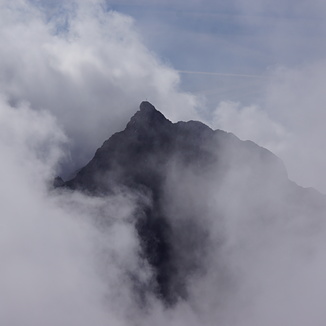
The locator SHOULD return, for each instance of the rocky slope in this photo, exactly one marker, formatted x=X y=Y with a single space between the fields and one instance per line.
x=191 y=174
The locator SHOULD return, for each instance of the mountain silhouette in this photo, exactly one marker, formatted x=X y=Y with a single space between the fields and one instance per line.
x=180 y=167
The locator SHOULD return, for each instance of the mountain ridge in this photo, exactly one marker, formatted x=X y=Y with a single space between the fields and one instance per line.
x=155 y=157
x=148 y=122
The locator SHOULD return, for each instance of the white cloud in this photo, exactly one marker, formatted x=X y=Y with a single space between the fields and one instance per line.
x=289 y=122
x=297 y=99
x=85 y=65
x=250 y=123
x=58 y=265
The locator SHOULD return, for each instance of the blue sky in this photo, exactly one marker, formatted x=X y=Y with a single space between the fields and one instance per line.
x=231 y=37
x=227 y=37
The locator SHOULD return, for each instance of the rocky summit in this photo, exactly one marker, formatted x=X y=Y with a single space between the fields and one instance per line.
x=184 y=169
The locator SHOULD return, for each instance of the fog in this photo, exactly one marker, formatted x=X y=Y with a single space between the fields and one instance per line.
x=250 y=257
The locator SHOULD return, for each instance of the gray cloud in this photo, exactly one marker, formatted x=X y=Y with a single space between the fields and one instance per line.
x=264 y=259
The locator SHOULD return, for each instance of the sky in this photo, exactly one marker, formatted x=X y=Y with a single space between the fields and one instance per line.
x=72 y=73
x=234 y=37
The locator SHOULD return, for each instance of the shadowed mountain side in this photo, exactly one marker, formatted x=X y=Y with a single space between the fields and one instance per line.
x=150 y=141
x=156 y=157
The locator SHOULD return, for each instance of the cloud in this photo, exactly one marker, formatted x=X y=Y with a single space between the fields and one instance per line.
x=250 y=123
x=61 y=264
x=260 y=253
x=85 y=65
x=295 y=97
x=289 y=121
x=39 y=247
x=69 y=80
x=70 y=259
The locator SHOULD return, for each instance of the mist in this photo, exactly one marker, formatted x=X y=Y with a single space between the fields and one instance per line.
x=69 y=80
x=286 y=123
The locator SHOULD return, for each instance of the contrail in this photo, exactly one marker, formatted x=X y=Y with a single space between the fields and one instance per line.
x=218 y=74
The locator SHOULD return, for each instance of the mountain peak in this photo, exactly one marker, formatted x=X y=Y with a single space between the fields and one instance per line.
x=147 y=117
x=145 y=106
x=170 y=164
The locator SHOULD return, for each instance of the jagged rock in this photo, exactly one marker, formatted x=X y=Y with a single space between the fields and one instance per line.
x=141 y=158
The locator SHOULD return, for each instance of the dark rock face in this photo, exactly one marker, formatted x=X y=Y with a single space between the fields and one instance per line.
x=141 y=158
x=138 y=155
